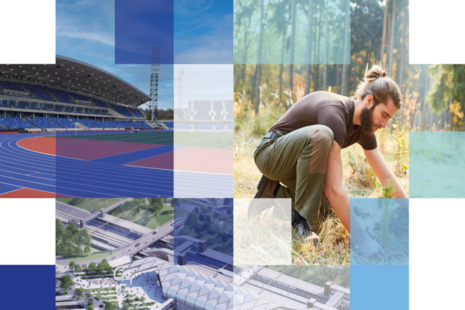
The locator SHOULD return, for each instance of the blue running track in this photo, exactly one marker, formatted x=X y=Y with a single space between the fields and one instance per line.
x=96 y=179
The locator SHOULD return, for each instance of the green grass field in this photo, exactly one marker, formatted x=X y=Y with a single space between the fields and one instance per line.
x=91 y=256
x=143 y=216
x=198 y=139
x=90 y=203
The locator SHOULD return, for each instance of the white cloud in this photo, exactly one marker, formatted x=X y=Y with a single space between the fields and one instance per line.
x=93 y=36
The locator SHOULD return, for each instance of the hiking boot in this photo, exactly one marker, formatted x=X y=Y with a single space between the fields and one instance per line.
x=303 y=231
x=266 y=189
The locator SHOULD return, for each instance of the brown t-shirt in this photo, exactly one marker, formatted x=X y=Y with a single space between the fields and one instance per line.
x=329 y=109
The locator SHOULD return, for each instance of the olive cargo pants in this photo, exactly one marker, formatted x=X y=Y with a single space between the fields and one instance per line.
x=298 y=160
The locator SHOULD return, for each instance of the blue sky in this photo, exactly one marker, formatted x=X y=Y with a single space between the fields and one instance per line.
x=203 y=31
x=85 y=30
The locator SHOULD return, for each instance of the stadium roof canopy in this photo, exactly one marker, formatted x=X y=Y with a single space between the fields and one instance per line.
x=76 y=75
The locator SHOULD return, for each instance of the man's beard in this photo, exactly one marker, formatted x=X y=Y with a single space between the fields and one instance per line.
x=366 y=119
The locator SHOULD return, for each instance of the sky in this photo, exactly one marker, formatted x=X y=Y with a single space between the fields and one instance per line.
x=85 y=30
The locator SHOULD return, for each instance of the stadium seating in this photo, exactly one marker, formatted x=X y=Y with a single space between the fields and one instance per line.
x=230 y=126
x=79 y=97
x=170 y=125
x=86 y=123
x=63 y=122
x=43 y=122
x=101 y=124
x=15 y=123
x=203 y=126
x=181 y=114
x=218 y=109
x=144 y=125
x=229 y=106
x=129 y=124
x=115 y=124
x=121 y=110
x=19 y=96
x=183 y=126
x=5 y=105
x=202 y=110
x=39 y=92
x=61 y=95
x=100 y=103
x=136 y=112
x=11 y=85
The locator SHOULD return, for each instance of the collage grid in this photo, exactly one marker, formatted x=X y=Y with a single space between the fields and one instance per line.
x=201 y=155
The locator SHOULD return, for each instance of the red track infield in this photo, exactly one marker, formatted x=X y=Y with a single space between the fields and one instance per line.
x=29 y=193
x=194 y=159
x=80 y=148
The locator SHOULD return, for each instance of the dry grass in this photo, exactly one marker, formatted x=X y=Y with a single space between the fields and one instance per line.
x=261 y=239
x=359 y=180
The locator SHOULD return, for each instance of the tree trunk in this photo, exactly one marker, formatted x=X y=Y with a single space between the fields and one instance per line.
x=309 y=46
x=391 y=45
x=281 y=70
x=345 y=48
x=381 y=56
x=291 y=62
x=400 y=72
x=317 y=56
x=325 y=56
x=259 y=60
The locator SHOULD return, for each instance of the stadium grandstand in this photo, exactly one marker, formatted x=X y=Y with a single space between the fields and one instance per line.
x=204 y=116
x=70 y=94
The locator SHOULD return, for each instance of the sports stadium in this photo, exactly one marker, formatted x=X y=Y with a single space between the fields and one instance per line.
x=71 y=129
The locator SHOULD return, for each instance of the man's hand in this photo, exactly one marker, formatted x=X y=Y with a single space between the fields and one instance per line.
x=371 y=249
x=384 y=174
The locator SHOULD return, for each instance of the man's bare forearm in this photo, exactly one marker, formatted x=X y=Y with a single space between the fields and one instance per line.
x=340 y=203
x=341 y=206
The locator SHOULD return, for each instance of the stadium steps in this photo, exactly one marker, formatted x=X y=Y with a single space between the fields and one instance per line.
x=51 y=95
x=131 y=112
x=163 y=126
x=27 y=91
x=94 y=123
x=80 y=125
x=153 y=125
x=25 y=119
x=115 y=114
x=55 y=123
x=70 y=97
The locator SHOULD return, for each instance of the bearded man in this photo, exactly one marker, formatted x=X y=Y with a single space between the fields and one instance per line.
x=300 y=157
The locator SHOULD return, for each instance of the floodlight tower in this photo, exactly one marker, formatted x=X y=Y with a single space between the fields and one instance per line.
x=180 y=87
x=154 y=79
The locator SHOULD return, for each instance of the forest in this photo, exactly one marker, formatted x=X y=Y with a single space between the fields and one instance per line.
x=284 y=49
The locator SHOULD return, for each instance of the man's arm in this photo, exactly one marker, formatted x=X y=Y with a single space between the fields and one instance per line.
x=384 y=174
x=341 y=204
x=333 y=186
